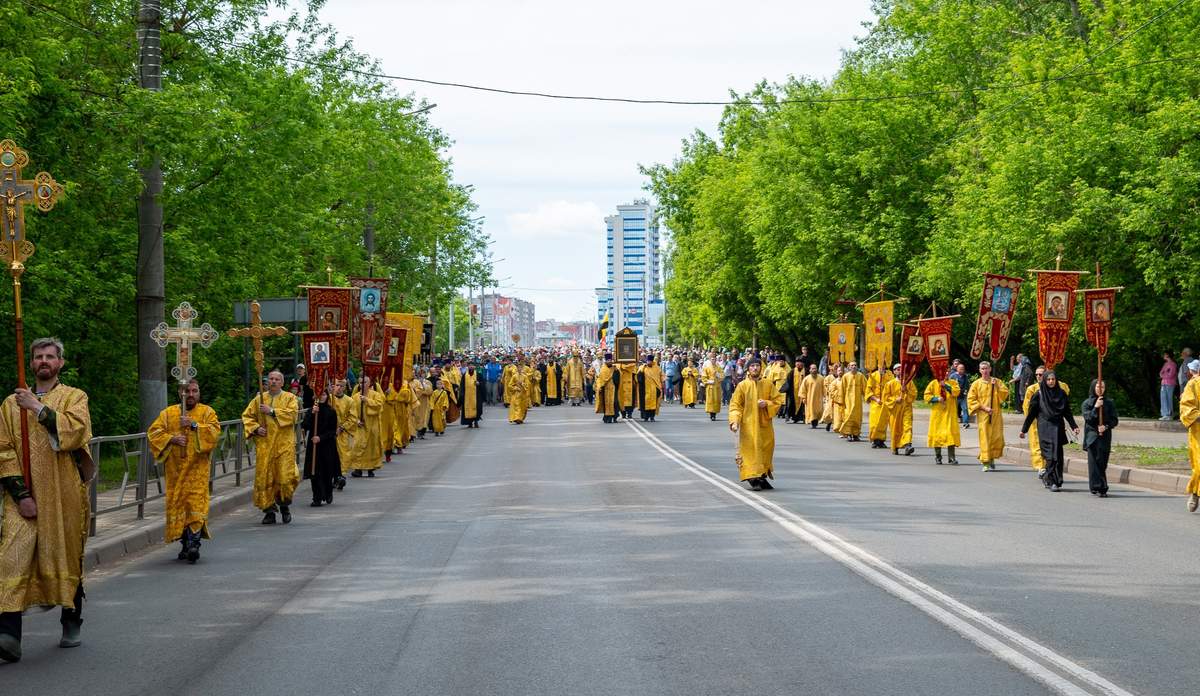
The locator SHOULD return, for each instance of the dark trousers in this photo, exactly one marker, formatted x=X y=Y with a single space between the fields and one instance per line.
x=322 y=486
x=10 y=622
x=1098 y=468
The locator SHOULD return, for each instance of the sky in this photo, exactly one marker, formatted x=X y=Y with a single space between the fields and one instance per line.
x=546 y=172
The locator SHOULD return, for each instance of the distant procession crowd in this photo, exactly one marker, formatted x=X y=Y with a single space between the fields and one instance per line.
x=355 y=427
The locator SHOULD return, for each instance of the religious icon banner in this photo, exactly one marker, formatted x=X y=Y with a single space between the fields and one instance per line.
x=1056 y=311
x=841 y=342
x=319 y=351
x=412 y=324
x=912 y=352
x=995 y=314
x=877 y=317
x=1097 y=314
x=935 y=334
x=370 y=316
x=397 y=353
x=329 y=309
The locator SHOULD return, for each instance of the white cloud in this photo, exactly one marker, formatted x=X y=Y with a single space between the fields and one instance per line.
x=559 y=221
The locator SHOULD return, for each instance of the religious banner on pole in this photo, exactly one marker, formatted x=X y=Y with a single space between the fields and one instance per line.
x=329 y=309
x=842 y=339
x=995 y=314
x=412 y=324
x=935 y=334
x=1097 y=316
x=319 y=352
x=912 y=351
x=877 y=318
x=367 y=338
x=397 y=353
x=1056 y=311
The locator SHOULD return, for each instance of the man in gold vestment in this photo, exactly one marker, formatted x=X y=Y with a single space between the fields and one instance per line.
x=710 y=381
x=517 y=391
x=899 y=397
x=45 y=518
x=401 y=401
x=650 y=389
x=606 y=383
x=1189 y=416
x=422 y=389
x=367 y=452
x=627 y=390
x=984 y=399
x=343 y=405
x=573 y=378
x=853 y=385
x=942 y=398
x=881 y=409
x=812 y=396
x=754 y=403
x=185 y=443
x=270 y=423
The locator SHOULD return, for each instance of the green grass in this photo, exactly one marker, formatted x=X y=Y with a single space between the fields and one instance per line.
x=1157 y=458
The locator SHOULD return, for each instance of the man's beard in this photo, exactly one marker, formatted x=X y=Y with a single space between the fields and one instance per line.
x=46 y=372
x=191 y=403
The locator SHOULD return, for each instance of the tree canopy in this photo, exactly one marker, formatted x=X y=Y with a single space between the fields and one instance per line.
x=276 y=151
x=955 y=131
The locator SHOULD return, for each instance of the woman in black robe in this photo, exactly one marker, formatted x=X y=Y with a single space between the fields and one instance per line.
x=322 y=465
x=1050 y=407
x=1099 y=418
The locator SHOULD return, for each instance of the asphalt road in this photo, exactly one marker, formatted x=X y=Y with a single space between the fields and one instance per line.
x=566 y=556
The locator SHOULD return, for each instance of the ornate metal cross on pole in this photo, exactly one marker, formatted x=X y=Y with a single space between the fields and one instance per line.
x=15 y=250
x=255 y=333
x=183 y=335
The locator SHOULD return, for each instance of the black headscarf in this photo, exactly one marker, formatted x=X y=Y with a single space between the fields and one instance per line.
x=1092 y=391
x=1054 y=399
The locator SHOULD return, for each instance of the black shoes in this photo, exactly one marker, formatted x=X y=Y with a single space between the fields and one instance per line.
x=183 y=543
x=938 y=461
x=357 y=473
x=1103 y=494
x=329 y=498
x=953 y=462
x=370 y=474
x=828 y=427
x=191 y=542
x=285 y=514
x=908 y=450
x=712 y=416
x=754 y=484
x=315 y=503
x=764 y=484
x=269 y=518
x=341 y=483
x=10 y=648
x=70 y=634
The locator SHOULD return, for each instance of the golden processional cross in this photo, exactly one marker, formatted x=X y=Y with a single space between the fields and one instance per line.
x=184 y=335
x=255 y=333
x=15 y=250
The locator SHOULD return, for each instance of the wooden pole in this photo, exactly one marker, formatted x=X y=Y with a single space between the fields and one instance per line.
x=16 y=269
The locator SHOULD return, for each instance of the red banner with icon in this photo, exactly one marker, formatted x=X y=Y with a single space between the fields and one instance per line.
x=1056 y=311
x=935 y=334
x=1097 y=314
x=319 y=350
x=995 y=314
x=397 y=352
x=367 y=338
x=912 y=352
x=329 y=309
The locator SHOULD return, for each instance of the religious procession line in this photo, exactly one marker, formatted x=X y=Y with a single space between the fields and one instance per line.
x=1030 y=657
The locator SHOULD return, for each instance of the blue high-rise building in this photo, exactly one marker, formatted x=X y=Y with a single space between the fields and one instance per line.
x=632 y=296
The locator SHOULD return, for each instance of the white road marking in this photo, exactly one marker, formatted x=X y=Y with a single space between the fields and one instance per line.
x=1030 y=657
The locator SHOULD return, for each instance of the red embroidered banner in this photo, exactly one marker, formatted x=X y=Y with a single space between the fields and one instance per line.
x=319 y=347
x=397 y=352
x=995 y=314
x=1097 y=314
x=935 y=333
x=368 y=339
x=912 y=352
x=329 y=310
x=1056 y=311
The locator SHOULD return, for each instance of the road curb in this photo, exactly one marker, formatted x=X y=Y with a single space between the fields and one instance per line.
x=1162 y=481
x=152 y=533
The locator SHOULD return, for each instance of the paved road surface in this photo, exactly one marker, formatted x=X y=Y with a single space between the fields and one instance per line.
x=565 y=556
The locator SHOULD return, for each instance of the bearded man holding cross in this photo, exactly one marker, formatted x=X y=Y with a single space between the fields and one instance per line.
x=46 y=515
x=270 y=419
x=185 y=441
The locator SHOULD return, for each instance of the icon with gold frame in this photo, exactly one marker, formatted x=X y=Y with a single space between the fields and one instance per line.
x=625 y=347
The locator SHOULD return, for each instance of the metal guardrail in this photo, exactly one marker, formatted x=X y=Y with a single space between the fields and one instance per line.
x=231 y=456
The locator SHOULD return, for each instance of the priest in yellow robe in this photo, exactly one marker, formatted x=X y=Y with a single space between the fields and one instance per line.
x=1035 y=452
x=1189 y=415
x=517 y=390
x=899 y=398
x=535 y=384
x=183 y=443
x=812 y=396
x=853 y=387
x=452 y=381
x=387 y=425
x=880 y=409
x=832 y=398
x=710 y=380
x=439 y=405
x=45 y=527
x=366 y=454
x=270 y=424
x=754 y=404
x=650 y=389
x=402 y=401
x=627 y=389
x=347 y=417
x=984 y=401
x=574 y=378
x=605 y=387
x=688 y=391
x=422 y=389
x=942 y=398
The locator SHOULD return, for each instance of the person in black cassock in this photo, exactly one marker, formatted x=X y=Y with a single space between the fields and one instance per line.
x=1099 y=418
x=322 y=465
x=1050 y=407
x=792 y=407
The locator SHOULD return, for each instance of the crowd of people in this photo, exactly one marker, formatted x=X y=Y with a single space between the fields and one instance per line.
x=352 y=427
